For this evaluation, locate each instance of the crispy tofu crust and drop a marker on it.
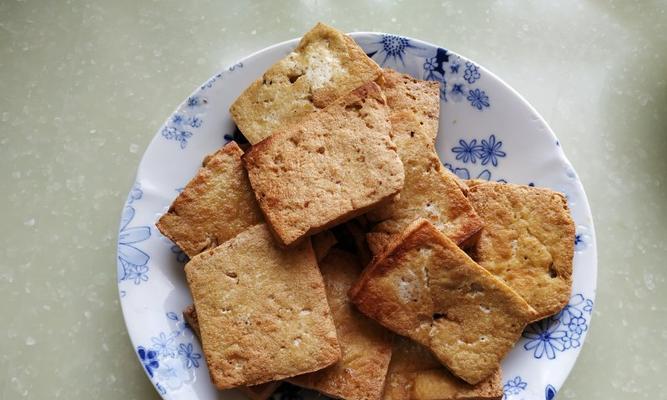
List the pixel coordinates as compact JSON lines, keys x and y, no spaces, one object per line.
{"x":258,"y":392}
{"x":326,"y":65}
{"x":414,"y":374}
{"x":216,"y":205}
{"x":262,"y":310}
{"x":331,"y":167}
{"x":425,"y":287}
{"x":528,"y":241}
{"x":421,"y":98}
{"x":430,"y":191}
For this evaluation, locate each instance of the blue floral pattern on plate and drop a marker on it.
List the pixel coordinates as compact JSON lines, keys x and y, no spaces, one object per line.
{"x":488,"y":151}
{"x":560,"y":332}
{"x":390,"y":50}
{"x":132,"y":262}
{"x":513,"y":387}
{"x":436,"y":64}
{"x":172,"y":356}
{"x":180,"y":127}
{"x":467,"y":152}
{"x":445,"y":68}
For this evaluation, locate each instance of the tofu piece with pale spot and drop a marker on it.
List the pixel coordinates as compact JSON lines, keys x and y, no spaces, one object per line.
{"x":430,"y":191}
{"x":262,"y":310}
{"x":425,"y":287}
{"x":325,"y":65}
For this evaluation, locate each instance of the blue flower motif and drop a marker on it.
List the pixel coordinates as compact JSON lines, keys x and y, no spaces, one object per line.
{"x":172,"y":316}
{"x":513,"y":387}
{"x":163,"y":344}
{"x":390,"y":51}
{"x":191,"y":358}
{"x":467,"y":151}
{"x":588,"y":307}
{"x":177,"y":128}
{"x":394,"y":46}
{"x":181,"y":257}
{"x":478,"y":99}
{"x":471,"y":73}
{"x":177,"y":119}
{"x":211,"y":81}
{"x":180,"y":120}
{"x":434,"y":67}
{"x":581,"y":239}
{"x":193,"y":101}
{"x":137,"y":273}
{"x":571,"y":341}
{"x":148,"y":359}
{"x":181,"y":136}
{"x":195,"y":122}
{"x":430,"y":67}
{"x":132,"y":261}
{"x":577,"y":325}
{"x":545,"y":338}
{"x":490,"y":151}
{"x":571,"y":310}
{"x":549,"y":392}
{"x":559,"y":332}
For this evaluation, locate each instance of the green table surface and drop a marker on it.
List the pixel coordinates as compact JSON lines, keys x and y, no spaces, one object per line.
{"x":84,"y":86}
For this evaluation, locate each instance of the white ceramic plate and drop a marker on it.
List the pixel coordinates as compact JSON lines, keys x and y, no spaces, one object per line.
{"x":487,"y":131}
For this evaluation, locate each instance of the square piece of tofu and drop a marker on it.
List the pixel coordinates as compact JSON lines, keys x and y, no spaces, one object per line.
{"x":326,"y":65}
{"x":258,"y":392}
{"x":216,"y":205}
{"x":262,"y":310}
{"x":527,"y":241}
{"x":332,"y":166}
{"x":426,"y":288}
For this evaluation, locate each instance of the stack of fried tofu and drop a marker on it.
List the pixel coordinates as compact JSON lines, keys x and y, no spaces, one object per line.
{"x":441,"y":276}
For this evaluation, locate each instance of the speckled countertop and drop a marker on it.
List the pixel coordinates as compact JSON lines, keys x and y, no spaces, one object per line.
{"x":84,"y":86}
